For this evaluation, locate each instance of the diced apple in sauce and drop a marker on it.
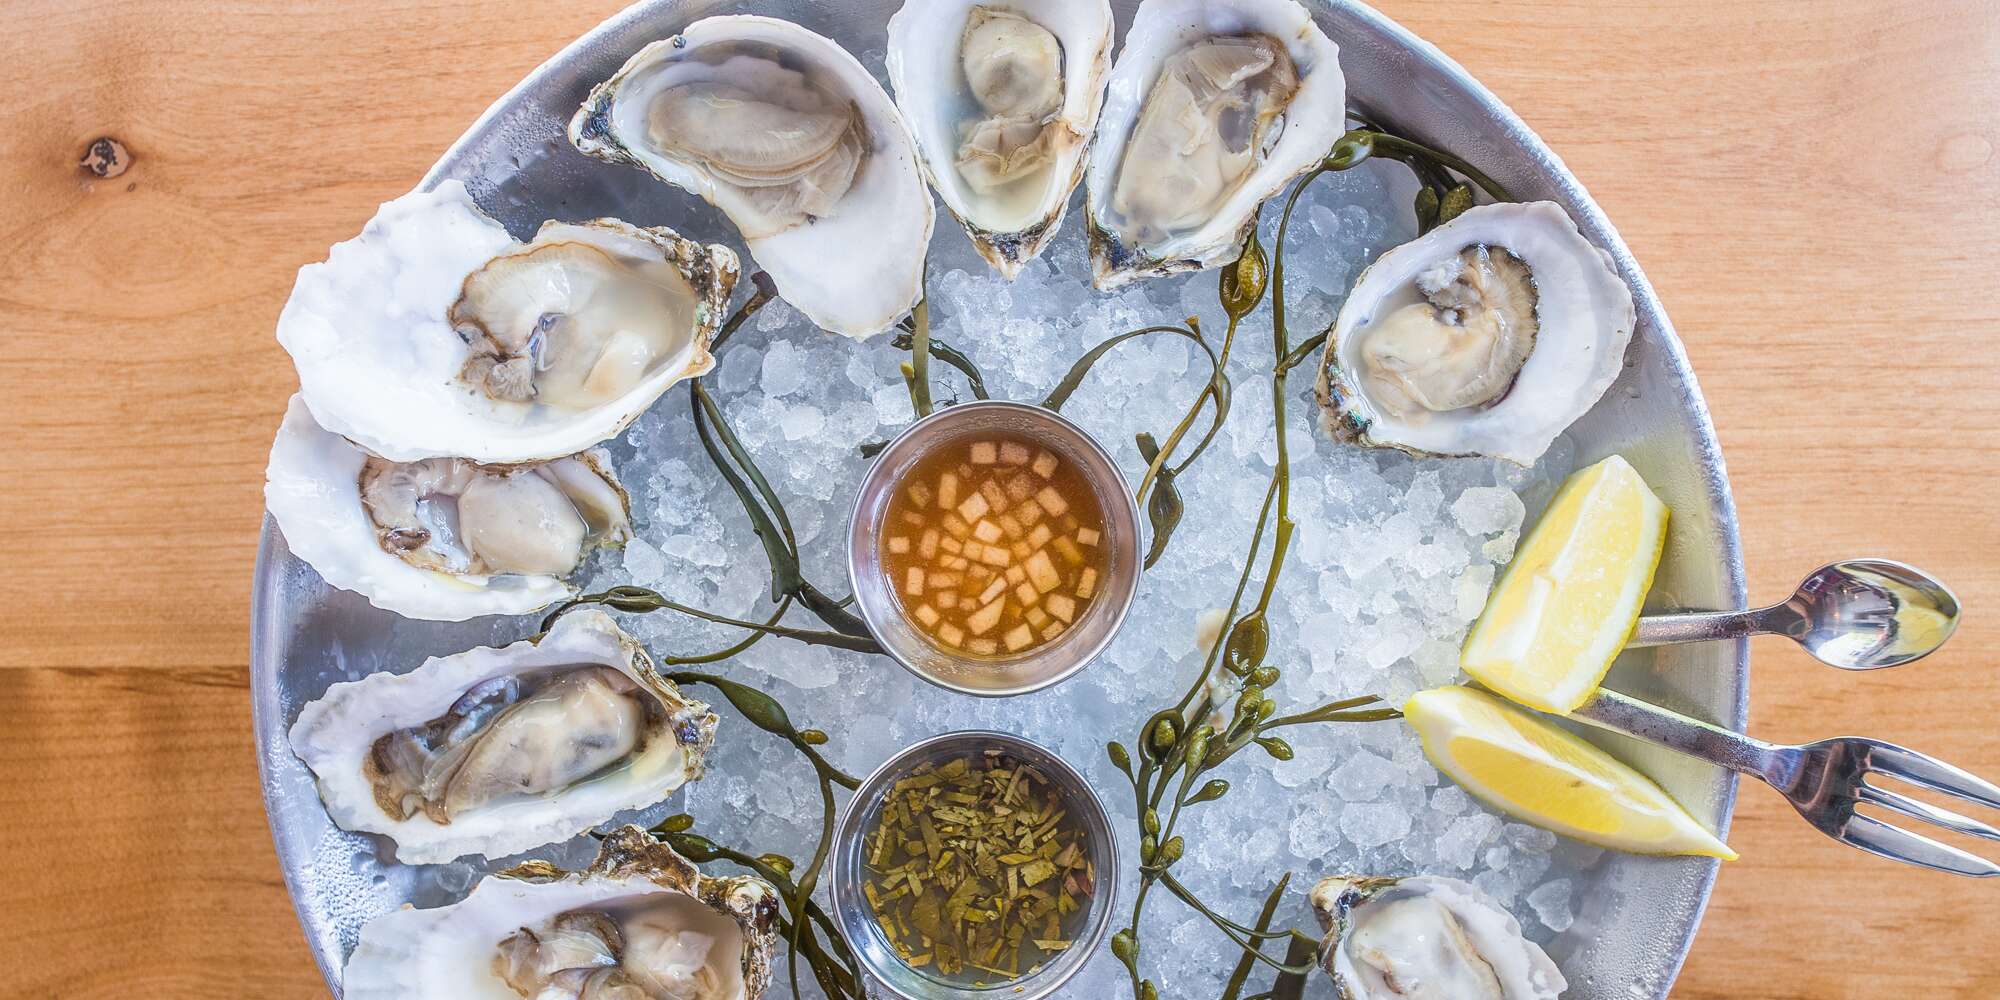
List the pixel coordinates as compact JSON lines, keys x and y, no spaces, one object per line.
{"x":1044,"y":465}
{"x":1016,"y":574}
{"x":982,"y":621}
{"x":996,"y":498}
{"x":1086,"y":536}
{"x":1042,"y":573}
{"x":1021,"y":550}
{"x":973,"y":508}
{"x":900,"y":545}
{"x":928,"y":545}
{"x":982,"y":647}
{"x":913,"y":582}
{"x":927,"y":614}
{"x":1068,"y":549}
{"x":942,"y":580}
{"x":947,"y":600}
{"x":1036,"y":617}
{"x":994,"y":555}
{"x":985,"y":453}
{"x":957,"y":527}
{"x":953,"y":562}
{"x":951,"y":635}
{"x":1062,"y":606}
{"x":1040,"y":536}
{"x":952,"y":545}
{"x":993,"y":591}
{"x":1026,"y":594}
{"x":1013,"y":453}
{"x":920,"y":494}
{"x":1020,"y":488}
{"x":1017,"y":638}
{"x":1086,"y":584}
{"x":1052,"y":501}
{"x":986,"y":531}
{"x":913,"y":519}
{"x":1009,"y":526}
{"x":1054,"y":629}
{"x":1028,"y":512}
{"x":947,"y":494}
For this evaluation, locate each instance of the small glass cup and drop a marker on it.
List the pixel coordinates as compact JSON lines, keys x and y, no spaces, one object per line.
{"x":846,"y":870}
{"x":1037,"y":668}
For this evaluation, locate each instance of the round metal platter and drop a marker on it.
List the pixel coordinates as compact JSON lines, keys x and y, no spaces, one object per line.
{"x":1635,"y":916}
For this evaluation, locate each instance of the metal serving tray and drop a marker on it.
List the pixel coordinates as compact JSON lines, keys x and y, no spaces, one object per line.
{"x":1636,"y":916}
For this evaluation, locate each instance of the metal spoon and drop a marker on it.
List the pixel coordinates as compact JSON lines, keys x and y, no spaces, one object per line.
{"x":1859,"y":614}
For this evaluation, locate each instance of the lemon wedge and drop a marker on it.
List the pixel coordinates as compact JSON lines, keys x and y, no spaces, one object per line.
{"x":1568,"y":602}
{"x":1540,"y":773}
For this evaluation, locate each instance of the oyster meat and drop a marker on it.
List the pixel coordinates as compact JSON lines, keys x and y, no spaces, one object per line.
{"x":1426,"y":938}
{"x":434,"y":334}
{"x":1213,"y":106}
{"x":1489,"y":335}
{"x":791,"y":138}
{"x":440,"y":538}
{"x":1002,"y":98}
{"x":640,"y":923}
{"x":498,"y":750}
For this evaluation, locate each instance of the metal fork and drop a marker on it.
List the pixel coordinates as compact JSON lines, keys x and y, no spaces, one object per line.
{"x":1825,"y":781}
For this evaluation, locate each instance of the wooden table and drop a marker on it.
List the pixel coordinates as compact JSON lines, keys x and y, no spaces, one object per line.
{"x":1811,"y":186}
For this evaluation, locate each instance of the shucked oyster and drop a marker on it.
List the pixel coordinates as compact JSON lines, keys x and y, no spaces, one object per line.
{"x":440,"y":538}
{"x":1002,"y":98}
{"x":494,"y":751}
{"x":640,"y":923}
{"x":435,"y":334}
{"x":1213,"y":106}
{"x":1488,"y":335}
{"x":1426,"y":938}
{"x":795,"y":142}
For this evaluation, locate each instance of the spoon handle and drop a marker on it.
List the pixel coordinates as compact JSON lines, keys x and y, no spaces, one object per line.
{"x":1697,"y":626}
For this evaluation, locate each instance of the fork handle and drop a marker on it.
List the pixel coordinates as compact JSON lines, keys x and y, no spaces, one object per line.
{"x":1632,"y":717}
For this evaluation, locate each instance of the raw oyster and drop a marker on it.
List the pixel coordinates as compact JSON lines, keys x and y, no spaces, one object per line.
{"x":440,"y":538}
{"x":640,"y":923}
{"x":1002,"y":98}
{"x":1488,"y":335}
{"x":1426,"y":938}
{"x":1213,"y":106}
{"x":434,"y":334}
{"x":791,"y":138}
{"x":494,"y":751}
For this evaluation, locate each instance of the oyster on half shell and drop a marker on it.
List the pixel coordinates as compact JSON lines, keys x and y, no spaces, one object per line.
{"x":1213,"y":106}
{"x":495,"y":751}
{"x":1488,"y":335}
{"x":794,"y":140}
{"x":640,"y":923}
{"x":442,"y":539}
{"x":1002,"y":97}
{"x":434,"y":334}
{"x":1426,"y":938}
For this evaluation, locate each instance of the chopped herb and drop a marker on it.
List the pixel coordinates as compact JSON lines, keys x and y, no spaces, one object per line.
{"x":973,"y":867}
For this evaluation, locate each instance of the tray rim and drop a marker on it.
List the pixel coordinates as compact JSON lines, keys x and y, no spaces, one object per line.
{"x":273,"y":554}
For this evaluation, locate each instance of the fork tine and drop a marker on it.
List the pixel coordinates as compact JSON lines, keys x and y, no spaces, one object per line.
{"x":1926,"y":812}
{"x":1879,"y":838}
{"x":1931,"y":773}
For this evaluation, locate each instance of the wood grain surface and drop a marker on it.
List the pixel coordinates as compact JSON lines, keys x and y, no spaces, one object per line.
{"x":1811,"y":186}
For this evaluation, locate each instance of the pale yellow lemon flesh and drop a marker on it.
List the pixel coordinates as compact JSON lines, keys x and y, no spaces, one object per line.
{"x":1567,"y":603}
{"x":1540,"y":773}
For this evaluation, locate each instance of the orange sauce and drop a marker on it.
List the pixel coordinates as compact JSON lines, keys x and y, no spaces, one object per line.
{"x":994,"y":546}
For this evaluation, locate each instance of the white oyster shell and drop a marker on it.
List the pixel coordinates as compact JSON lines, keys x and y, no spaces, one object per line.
{"x":335,"y":735}
{"x":1313,"y":120}
{"x":854,"y":269}
{"x":447,"y":951}
{"x":312,"y":488}
{"x":1584,"y":313}
{"x":379,"y":361}
{"x":1013,"y":225}
{"x":1426,"y":938}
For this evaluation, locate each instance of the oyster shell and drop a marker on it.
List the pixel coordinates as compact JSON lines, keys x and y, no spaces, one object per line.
{"x":1213,"y":106}
{"x":640,"y":922}
{"x":791,"y":138}
{"x":1488,"y":335}
{"x":494,"y":751}
{"x":1426,"y":938}
{"x":435,"y":334}
{"x":442,"y":539}
{"x":1002,"y":98}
